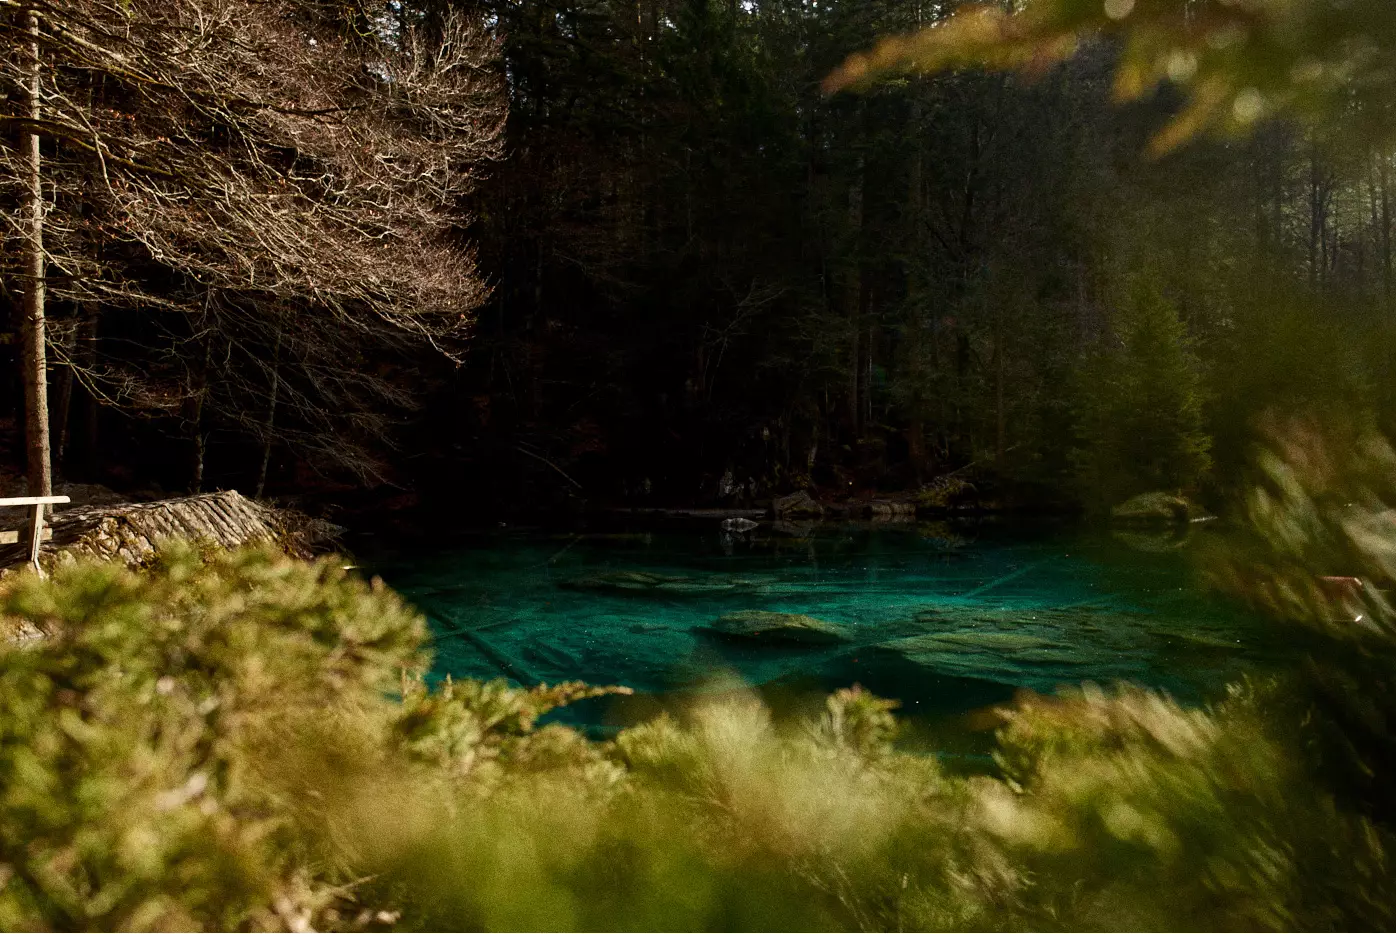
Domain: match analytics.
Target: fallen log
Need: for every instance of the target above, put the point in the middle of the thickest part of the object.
(134, 532)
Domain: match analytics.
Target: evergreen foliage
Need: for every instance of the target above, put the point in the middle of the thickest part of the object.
(735, 271)
(1140, 404)
(137, 740)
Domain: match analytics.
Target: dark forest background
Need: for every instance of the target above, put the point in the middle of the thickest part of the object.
(712, 282)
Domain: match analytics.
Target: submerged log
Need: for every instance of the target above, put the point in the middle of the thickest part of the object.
(133, 533)
(696, 513)
(666, 585)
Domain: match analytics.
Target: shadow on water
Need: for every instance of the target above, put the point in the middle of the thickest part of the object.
(947, 619)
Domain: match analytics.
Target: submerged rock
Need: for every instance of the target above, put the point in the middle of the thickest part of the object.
(920, 690)
(772, 628)
(1013, 659)
(1158, 540)
(1183, 640)
(796, 506)
(620, 580)
(946, 619)
(1043, 647)
(794, 529)
(552, 656)
(646, 582)
(1159, 507)
(993, 641)
(881, 510)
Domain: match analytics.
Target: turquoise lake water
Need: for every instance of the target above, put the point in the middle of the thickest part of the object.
(945, 618)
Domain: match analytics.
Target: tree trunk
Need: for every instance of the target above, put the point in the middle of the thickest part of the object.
(870, 342)
(916, 445)
(271, 418)
(962, 359)
(855, 367)
(86, 351)
(33, 361)
(999, 416)
(1381, 216)
(62, 405)
(854, 297)
(1318, 223)
(77, 359)
(1384, 179)
(196, 467)
(194, 420)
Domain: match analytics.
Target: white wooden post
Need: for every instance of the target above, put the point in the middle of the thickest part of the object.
(36, 506)
(36, 534)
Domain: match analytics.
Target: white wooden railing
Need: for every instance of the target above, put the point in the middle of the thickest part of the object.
(35, 529)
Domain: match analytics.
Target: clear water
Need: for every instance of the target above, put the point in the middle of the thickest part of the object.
(945, 619)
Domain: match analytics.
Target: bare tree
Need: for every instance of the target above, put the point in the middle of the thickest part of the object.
(268, 194)
(32, 356)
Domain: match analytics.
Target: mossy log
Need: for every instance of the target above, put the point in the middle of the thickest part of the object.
(132, 533)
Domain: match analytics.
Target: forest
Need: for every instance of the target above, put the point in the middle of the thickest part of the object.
(559, 256)
(698, 464)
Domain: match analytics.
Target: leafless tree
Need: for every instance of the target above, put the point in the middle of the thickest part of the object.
(271, 191)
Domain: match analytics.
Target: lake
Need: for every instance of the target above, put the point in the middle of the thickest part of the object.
(945, 617)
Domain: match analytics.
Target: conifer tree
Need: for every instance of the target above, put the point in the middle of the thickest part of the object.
(1140, 403)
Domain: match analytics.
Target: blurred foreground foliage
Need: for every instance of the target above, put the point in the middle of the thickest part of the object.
(1236, 62)
(247, 741)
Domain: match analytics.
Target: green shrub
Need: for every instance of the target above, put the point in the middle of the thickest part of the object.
(134, 740)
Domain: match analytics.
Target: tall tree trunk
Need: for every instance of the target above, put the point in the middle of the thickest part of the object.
(1381, 216)
(1384, 180)
(999, 415)
(194, 419)
(870, 342)
(855, 367)
(271, 418)
(1317, 221)
(196, 457)
(33, 360)
(916, 445)
(916, 353)
(86, 352)
(854, 297)
(64, 402)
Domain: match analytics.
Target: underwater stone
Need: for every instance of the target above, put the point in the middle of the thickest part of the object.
(796, 505)
(776, 628)
(1158, 507)
(645, 582)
